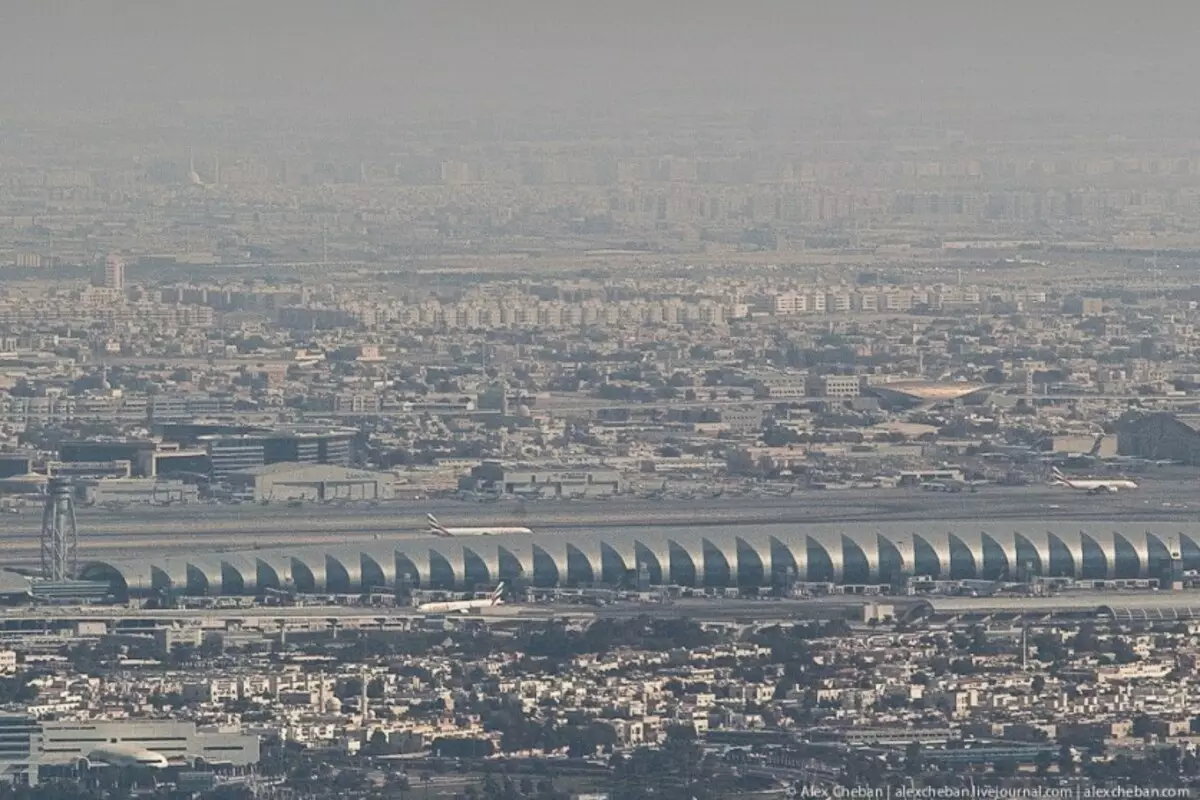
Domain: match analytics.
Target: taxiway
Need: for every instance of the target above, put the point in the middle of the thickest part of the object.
(108, 533)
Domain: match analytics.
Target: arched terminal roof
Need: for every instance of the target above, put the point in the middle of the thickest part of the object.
(755, 555)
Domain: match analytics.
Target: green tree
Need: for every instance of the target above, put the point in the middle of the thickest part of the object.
(1142, 725)
(377, 744)
(18, 691)
(1066, 760)
(350, 780)
(914, 762)
(1086, 640)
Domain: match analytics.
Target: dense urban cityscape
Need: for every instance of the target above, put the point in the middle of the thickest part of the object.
(640, 437)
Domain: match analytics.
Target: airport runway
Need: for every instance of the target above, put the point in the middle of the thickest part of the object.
(110, 534)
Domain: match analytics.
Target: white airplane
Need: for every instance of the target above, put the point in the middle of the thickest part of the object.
(438, 529)
(1091, 485)
(465, 606)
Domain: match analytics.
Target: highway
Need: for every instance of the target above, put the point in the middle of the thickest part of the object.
(139, 530)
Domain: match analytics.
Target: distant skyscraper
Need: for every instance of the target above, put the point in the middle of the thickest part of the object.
(114, 273)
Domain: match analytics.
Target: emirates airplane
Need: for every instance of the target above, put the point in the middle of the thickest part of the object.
(1091, 485)
(464, 606)
(438, 529)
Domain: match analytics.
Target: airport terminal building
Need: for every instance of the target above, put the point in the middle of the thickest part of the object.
(762, 555)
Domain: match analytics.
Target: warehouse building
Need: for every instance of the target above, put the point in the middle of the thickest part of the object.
(495, 476)
(136, 491)
(1160, 436)
(765, 555)
(316, 483)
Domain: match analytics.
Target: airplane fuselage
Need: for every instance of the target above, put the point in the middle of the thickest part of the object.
(438, 529)
(1097, 485)
(456, 606)
(464, 606)
(485, 531)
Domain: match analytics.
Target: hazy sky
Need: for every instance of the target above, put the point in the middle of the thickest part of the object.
(467, 55)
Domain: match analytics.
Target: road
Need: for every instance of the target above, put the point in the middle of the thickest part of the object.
(110, 534)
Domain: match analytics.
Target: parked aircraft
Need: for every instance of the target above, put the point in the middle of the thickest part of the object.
(984, 588)
(1091, 485)
(464, 606)
(1092, 456)
(438, 529)
(951, 486)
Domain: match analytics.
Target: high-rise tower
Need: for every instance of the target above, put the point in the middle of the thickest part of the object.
(60, 540)
(114, 273)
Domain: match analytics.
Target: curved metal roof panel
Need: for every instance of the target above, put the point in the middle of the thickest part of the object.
(740, 555)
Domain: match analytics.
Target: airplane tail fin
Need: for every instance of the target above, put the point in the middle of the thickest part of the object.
(1096, 445)
(497, 593)
(435, 527)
